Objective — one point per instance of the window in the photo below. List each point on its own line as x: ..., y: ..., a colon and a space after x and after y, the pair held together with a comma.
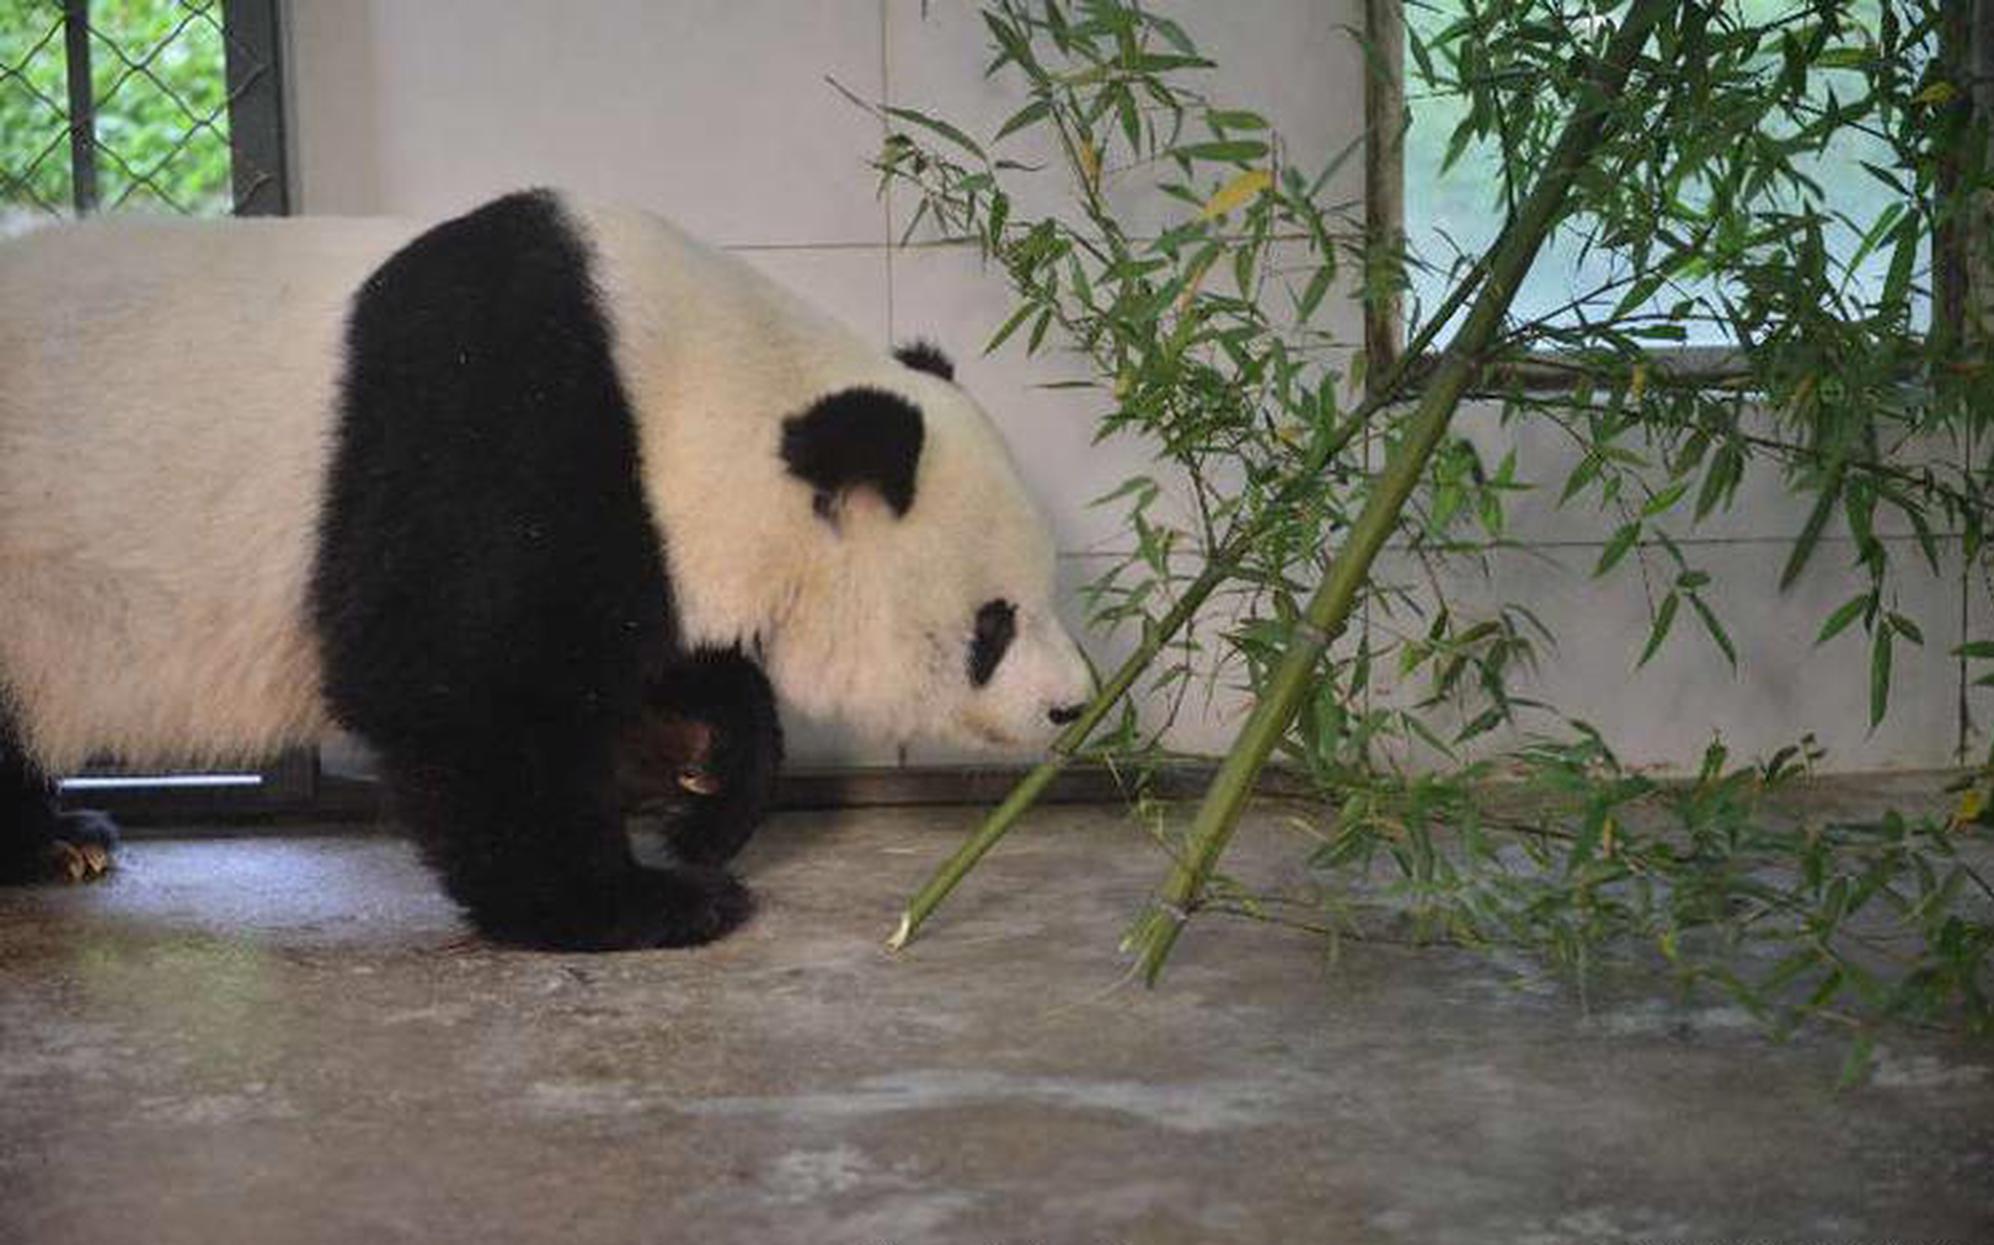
x: 1454, y: 201
x: 140, y: 105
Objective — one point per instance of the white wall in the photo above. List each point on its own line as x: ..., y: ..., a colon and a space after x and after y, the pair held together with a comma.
x: 717, y: 113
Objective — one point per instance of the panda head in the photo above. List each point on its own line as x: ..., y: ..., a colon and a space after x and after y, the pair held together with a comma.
x: 924, y: 606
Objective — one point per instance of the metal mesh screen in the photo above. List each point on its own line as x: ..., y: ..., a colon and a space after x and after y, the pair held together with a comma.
x: 155, y: 105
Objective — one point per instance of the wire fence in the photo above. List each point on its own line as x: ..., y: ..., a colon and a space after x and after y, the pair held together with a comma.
x: 146, y: 105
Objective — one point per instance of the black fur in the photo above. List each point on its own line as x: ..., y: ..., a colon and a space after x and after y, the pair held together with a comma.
x: 490, y: 592
x: 728, y: 694
x: 856, y: 437
x: 925, y: 356
x: 31, y: 829
x: 996, y: 627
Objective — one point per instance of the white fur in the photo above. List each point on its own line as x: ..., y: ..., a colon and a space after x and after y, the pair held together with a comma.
x: 165, y: 407
x: 166, y: 415
x: 870, y: 620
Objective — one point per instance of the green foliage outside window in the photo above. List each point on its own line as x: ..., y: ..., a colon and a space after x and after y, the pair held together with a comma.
x: 1457, y: 192
x: 159, y: 82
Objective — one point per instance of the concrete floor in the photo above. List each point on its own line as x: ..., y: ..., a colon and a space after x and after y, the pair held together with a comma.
x: 290, y: 1040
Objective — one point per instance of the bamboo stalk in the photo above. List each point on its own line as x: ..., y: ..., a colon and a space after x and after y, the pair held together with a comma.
x: 1029, y: 788
x: 1378, y: 395
x: 1328, y: 611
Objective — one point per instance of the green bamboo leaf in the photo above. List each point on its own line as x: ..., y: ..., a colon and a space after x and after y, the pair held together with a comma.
x: 1030, y: 114
x: 1879, y: 675
x: 1664, y: 619
x: 1897, y: 283
x: 1011, y: 326
x: 1665, y: 499
x: 1312, y: 296
x: 1013, y: 47
x: 1617, y: 548
x: 1228, y: 150
x: 1885, y: 220
x: 1715, y: 630
x: 1846, y: 613
x: 1236, y: 120
x: 1810, y: 535
x: 1726, y: 468
x: 936, y: 126
x: 1038, y: 332
x: 1420, y: 57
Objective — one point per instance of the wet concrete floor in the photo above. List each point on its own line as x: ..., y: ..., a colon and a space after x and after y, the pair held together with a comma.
x: 291, y: 1039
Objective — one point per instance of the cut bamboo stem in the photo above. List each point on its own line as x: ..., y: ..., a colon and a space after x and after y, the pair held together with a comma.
x: 1220, y: 567
x: 1328, y: 611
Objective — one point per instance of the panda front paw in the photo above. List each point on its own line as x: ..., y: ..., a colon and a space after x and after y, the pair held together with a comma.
x: 687, y: 907
x: 675, y: 907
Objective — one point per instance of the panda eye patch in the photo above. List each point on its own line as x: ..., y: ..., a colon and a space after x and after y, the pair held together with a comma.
x: 996, y: 624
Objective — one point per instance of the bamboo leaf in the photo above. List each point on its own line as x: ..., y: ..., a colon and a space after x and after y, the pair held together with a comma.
x: 1236, y: 120
x: 1715, y: 630
x: 936, y: 126
x: 1810, y: 534
x: 1312, y: 295
x: 1010, y: 326
x: 1879, y: 675
x: 1846, y: 613
x: 1940, y: 92
x: 1237, y: 192
x: 1030, y: 114
x: 1664, y: 619
x: 1230, y: 150
x: 1616, y: 548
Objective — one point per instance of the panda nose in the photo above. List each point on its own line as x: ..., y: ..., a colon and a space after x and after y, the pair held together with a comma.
x: 1062, y: 714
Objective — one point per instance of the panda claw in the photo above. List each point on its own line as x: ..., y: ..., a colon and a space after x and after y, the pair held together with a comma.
x: 698, y: 781
x: 76, y: 846
x: 75, y: 863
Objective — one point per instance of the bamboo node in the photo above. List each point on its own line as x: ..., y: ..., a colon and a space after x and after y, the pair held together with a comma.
x: 1312, y: 634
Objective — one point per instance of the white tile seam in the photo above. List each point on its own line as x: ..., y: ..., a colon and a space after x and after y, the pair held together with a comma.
x: 886, y: 227
x: 886, y: 192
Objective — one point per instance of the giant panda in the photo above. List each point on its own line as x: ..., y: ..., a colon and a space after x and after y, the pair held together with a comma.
x: 467, y: 491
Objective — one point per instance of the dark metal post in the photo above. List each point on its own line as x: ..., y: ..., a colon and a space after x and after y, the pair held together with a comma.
x: 1384, y: 185
x: 82, y: 106
x: 257, y: 165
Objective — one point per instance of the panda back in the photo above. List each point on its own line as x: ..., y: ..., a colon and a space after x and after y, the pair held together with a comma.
x: 167, y: 391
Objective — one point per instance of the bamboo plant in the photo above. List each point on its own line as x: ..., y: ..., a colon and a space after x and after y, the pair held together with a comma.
x: 1680, y: 140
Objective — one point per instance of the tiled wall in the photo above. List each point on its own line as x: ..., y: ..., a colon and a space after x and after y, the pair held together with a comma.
x: 717, y: 113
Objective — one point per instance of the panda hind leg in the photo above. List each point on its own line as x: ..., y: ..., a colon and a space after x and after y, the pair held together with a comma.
x: 38, y: 842
x: 527, y: 835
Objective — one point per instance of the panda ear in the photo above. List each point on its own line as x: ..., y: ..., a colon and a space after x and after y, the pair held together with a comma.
x: 856, y: 438
x: 925, y: 356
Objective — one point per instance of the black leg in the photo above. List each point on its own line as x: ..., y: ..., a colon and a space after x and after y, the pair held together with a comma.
x: 38, y: 843
x: 730, y: 697
x: 527, y: 835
